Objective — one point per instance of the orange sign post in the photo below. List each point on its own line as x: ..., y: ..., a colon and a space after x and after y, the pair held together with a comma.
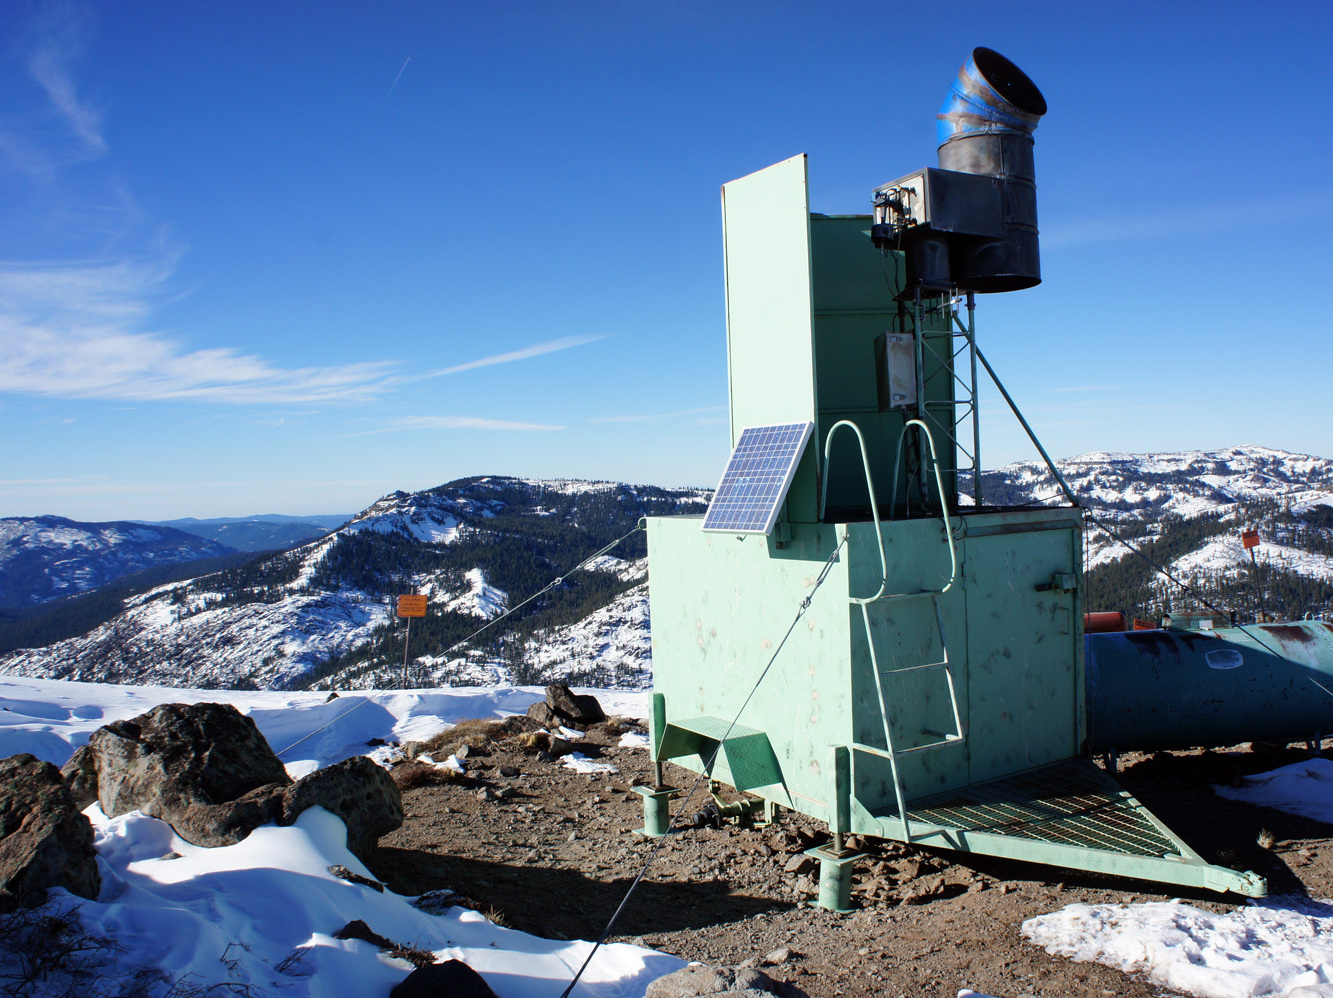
x: 409, y: 606
x: 1250, y: 540
x: 412, y: 606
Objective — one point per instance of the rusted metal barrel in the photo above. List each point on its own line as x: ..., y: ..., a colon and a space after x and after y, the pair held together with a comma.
x: 1103, y: 622
x: 1168, y: 689
x: 985, y: 127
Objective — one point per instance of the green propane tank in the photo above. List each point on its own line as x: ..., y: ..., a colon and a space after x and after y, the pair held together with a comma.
x: 1175, y: 689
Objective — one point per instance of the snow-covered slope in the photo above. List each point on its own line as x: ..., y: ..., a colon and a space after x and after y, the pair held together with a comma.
x: 610, y: 647
x: 158, y: 640
x: 260, y: 917
x: 325, y: 611
x: 43, y: 558
x: 1196, y: 503
x: 1188, y: 483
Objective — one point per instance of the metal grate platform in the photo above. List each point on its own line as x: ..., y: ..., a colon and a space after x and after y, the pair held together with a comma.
x: 1072, y: 803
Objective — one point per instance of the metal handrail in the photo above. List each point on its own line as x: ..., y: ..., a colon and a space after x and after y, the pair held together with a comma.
x: 874, y: 506
x: 944, y: 514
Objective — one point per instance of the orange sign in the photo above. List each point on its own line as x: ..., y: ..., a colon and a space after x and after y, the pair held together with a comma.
x: 411, y: 606
x: 1250, y: 538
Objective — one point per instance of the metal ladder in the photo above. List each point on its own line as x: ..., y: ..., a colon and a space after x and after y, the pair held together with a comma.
x: 891, y: 753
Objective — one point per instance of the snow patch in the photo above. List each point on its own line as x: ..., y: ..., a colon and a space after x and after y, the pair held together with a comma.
x: 580, y: 763
x: 1273, y: 947
x: 1279, y: 946
x: 261, y: 914
x: 1304, y: 788
x: 480, y: 599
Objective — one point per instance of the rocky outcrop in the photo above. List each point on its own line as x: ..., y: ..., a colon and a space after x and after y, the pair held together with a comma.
x: 207, y: 771
x: 44, y: 841
x: 572, y: 708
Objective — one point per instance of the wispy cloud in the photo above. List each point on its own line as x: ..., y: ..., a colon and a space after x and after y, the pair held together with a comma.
x: 64, y: 126
x: 48, y: 67
x: 536, y: 350
x: 658, y: 416
x: 73, y: 331
x: 464, y: 423
x: 80, y: 324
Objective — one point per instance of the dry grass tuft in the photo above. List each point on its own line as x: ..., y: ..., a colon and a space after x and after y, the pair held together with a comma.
x: 478, y: 734
x: 410, y: 775
x: 414, y: 956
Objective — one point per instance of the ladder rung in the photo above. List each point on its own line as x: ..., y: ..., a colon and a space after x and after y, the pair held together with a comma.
x: 947, y: 740
x: 915, y: 668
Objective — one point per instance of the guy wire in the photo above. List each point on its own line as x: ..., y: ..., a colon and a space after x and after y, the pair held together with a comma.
x: 707, y: 768
x: 641, y: 525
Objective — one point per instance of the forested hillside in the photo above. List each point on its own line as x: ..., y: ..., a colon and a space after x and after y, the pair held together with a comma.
x: 1186, y: 512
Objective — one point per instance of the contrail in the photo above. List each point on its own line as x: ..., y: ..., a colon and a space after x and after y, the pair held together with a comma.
x: 398, y: 77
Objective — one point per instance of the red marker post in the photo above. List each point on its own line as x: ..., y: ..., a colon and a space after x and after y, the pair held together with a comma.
x: 409, y: 606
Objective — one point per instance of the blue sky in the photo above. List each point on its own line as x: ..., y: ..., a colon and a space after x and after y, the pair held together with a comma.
x: 289, y: 257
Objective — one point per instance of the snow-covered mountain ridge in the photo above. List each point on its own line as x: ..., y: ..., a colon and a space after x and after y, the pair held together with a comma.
x: 1186, y: 510
x: 1187, y: 484
x: 324, y: 612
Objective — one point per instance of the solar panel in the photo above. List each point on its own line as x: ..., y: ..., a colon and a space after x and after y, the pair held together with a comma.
x: 757, y: 478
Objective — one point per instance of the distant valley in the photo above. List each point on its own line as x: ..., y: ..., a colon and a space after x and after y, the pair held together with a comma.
x: 269, y: 532
x: 46, y: 558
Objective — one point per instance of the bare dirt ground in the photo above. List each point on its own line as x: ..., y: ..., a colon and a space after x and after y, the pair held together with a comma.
x: 552, y: 851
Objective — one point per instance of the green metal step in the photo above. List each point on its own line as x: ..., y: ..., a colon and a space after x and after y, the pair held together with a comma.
x: 746, y: 752
x: 1069, y: 814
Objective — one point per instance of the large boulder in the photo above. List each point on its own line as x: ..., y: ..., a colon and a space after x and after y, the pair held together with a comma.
x: 542, y: 714
x: 222, y: 824
x: 80, y: 775
x: 207, y: 771
x: 44, y: 840
x: 177, y: 756
x: 358, y: 791
x: 572, y: 707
